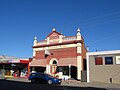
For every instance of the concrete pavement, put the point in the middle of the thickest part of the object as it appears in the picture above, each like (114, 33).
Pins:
(92, 84)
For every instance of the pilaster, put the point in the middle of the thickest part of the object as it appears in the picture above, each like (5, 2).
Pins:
(60, 38)
(79, 60)
(48, 40)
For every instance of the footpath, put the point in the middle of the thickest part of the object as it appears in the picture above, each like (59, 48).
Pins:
(92, 84)
(75, 83)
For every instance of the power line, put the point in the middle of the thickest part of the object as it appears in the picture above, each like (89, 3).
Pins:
(105, 38)
(103, 18)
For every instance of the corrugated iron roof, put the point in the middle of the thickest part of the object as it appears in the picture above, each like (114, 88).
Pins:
(41, 62)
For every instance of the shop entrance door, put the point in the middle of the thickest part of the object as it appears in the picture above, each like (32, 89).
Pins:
(53, 68)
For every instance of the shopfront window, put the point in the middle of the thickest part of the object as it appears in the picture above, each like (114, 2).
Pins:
(108, 60)
(98, 61)
(64, 69)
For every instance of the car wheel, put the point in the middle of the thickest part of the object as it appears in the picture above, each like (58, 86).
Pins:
(49, 82)
(33, 81)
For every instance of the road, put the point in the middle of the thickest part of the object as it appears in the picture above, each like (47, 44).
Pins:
(18, 85)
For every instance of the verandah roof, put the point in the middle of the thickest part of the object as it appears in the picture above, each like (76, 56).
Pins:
(41, 62)
(61, 62)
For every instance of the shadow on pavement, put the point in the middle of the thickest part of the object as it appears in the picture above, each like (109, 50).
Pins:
(16, 85)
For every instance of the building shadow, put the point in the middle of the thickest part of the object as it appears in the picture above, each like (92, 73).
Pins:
(17, 85)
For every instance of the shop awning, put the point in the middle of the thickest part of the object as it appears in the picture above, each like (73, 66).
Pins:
(36, 63)
(14, 61)
(67, 62)
(18, 61)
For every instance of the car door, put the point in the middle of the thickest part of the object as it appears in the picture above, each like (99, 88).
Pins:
(43, 78)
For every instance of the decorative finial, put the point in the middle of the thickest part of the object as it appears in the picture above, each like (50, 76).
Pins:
(35, 38)
(78, 31)
(54, 29)
(87, 48)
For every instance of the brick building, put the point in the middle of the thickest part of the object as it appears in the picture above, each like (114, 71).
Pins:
(59, 55)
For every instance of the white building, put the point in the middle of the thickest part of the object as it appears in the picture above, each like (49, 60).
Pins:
(103, 66)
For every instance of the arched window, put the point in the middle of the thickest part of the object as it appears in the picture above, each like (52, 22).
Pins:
(54, 62)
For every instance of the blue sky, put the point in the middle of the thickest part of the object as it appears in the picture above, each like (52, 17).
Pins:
(21, 20)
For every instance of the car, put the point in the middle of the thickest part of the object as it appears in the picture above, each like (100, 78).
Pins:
(38, 77)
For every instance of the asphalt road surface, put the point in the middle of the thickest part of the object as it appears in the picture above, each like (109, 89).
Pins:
(16, 85)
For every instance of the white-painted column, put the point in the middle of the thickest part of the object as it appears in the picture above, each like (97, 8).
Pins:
(88, 67)
(34, 53)
(48, 69)
(69, 70)
(79, 61)
(60, 39)
(79, 67)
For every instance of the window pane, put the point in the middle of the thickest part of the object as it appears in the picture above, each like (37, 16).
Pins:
(108, 60)
(98, 61)
(64, 69)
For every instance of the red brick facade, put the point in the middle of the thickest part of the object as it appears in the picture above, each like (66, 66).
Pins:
(69, 50)
(57, 53)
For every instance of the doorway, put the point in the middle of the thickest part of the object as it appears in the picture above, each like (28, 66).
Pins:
(53, 67)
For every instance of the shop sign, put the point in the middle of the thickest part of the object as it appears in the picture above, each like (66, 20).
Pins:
(13, 61)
